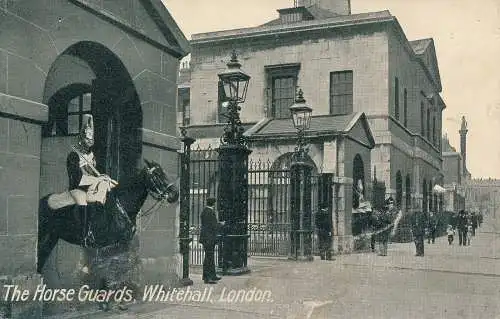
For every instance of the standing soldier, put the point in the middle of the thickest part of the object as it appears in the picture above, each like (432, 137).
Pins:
(324, 226)
(386, 224)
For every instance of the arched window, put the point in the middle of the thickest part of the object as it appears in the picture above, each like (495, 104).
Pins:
(424, 196)
(66, 109)
(358, 177)
(399, 189)
(408, 192)
(431, 201)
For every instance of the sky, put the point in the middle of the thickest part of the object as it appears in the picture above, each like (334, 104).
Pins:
(466, 35)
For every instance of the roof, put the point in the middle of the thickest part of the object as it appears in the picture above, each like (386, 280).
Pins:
(273, 29)
(424, 49)
(166, 23)
(419, 46)
(322, 125)
(315, 11)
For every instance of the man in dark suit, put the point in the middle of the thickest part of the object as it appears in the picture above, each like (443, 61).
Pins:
(208, 238)
(418, 229)
(462, 227)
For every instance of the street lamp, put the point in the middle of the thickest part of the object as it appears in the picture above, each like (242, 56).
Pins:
(300, 173)
(233, 177)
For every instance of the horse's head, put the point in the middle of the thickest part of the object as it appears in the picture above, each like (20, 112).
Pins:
(158, 184)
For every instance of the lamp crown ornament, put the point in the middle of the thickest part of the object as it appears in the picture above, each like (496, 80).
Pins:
(234, 82)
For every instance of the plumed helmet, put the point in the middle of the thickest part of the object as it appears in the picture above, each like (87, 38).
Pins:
(87, 127)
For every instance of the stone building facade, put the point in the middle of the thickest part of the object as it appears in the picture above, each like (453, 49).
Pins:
(345, 63)
(58, 60)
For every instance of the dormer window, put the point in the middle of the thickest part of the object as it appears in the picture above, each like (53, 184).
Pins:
(292, 15)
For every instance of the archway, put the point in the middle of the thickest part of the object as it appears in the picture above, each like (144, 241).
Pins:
(358, 178)
(87, 78)
(399, 189)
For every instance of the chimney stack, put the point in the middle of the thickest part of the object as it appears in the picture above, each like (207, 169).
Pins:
(342, 7)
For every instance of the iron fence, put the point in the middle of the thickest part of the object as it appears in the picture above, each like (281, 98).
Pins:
(269, 192)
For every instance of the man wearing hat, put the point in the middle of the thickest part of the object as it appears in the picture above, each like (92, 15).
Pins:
(384, 224)
(208, 238)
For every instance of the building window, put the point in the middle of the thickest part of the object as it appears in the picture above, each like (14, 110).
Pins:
(282, 80)
(341, 91)
(434, 131)
(422, 119)
(429, 124)
(66, 114)
(408, 192)
(396, 98)
(222, 105)
(405, 108)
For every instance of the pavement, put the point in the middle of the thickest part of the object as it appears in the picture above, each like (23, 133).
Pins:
(448, 282)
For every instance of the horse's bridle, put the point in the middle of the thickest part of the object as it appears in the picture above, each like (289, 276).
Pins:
(155, 187)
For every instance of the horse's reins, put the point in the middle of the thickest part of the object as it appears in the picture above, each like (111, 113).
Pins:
(90, 165)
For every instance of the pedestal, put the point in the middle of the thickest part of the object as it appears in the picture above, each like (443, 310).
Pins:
(233, 208)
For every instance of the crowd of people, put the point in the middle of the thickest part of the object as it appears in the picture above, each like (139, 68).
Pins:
(426, 226)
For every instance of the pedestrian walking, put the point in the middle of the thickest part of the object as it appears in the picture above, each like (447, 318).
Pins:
(432, 228)
(418, 230)
(450, 231)
(208, 237)
(386, 222)
(462, 228)
(470, 232)
(474, 220)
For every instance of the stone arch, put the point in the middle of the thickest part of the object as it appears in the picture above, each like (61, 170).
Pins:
(399, 189)
(87, 69)
(90, 67)
(358, 174)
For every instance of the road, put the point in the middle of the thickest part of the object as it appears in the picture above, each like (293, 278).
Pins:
(448, 282)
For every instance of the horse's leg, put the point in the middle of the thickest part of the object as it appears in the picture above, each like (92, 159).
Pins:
(45, 247)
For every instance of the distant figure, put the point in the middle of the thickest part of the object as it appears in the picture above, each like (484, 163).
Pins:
(474, 221)
(469, 233)
(386, 223)
(432, 227)
(450, 231)
(208, 238)
(418, 230)
(324, 227)
(462, 227)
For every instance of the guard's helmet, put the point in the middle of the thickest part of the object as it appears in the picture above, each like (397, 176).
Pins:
(87, 131)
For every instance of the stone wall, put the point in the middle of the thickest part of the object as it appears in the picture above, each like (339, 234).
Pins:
(34, 34)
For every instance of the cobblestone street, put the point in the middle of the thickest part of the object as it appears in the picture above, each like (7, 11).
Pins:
(449, 282)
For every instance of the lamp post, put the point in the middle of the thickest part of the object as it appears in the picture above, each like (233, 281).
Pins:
(300, 173)
(184, 238)
(233, 177)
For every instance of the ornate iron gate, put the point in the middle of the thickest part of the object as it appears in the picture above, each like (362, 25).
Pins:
(269, 192)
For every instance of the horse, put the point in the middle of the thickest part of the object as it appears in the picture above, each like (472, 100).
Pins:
(111, 223)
